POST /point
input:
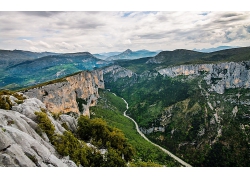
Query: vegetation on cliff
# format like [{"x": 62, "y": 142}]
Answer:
[
  {"x": 5, "y": 102},
  {"x": 203, "y": 128},
  {"x": 118, "y": 150},
  {"x": 181, "y": 56},
  {"x": 111, "y": 108}
]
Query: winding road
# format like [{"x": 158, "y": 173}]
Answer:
[{"x": 164, "y": 150}]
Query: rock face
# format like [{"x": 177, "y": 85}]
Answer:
[
  {"x": 219, "y": 76},
  {"x": 152, "y": 129},
  {"x": 80, "y": 90},
  {"x": 20, "y": 144},
  {"x": 115, "y": 72}
]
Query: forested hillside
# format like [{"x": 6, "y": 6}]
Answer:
[{"x": 199, "y": 112}]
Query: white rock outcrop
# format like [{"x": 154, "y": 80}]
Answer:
[
  {"x": 117, "y": 72},
  {"x": 219, "y": 76},
  {"x": 70, "y": 121},
  {"x": 62, "y": 97},
  {"x": 20, "y": 145}
]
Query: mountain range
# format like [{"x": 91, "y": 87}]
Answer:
[
  {"x": 194, "y": 104},
  {"x": 30, "y": 72},
  {"x": 25, "y": 68},
  {"x": 12, "y": 57}
]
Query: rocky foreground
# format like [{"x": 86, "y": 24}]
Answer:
[{"x": 20, "y": 142}]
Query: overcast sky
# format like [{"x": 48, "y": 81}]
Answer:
[{"x": 109, "y": 31}]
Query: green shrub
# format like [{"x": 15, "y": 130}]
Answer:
[
  {"x": 139, "y": 163},
  {"x": 65, "y": 126},
  {"x": 103, "y": 136},
  {"x": 56, "y": 115},
  {"x": 5, "y": 103},
  {"x": 20, "y": 97},
  {"x": 45, "y": 124},
  {"x": 19, "y": 101},
  {"x": 68, "y": 145}
]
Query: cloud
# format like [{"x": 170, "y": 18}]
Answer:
[
  {"x": 117, "y": 31},
  {"x": 127, "y": 41},
  {"x": 154, "y": 35},
  {"x": 41, "y": 13},
  {"x": 29, "y": 41},
  {"x": 230, "y": 14},
  {"x": 44, "y": 44}
]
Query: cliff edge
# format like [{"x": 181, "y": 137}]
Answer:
[{"x": 75, "y": 94}]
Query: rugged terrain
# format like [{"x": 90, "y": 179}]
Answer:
[
  {"x": 197, "y": 110},
  {"x": 34, "y": 71},
  {"x": 73, "y": 94},
  {"x": 25, "y": 141},
  {"x": 194, "y": 104},
  {"x": 44, "y": 126}
]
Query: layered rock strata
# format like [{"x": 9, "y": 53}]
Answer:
[
  {"x": 220, "y": 76},
  {"x": 80, "y": 90}
]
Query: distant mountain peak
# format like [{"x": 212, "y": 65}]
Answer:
[
  {"x": 129, "y": 54},
  {"x": 128, "y": 51}
]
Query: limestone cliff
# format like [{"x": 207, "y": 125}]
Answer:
[
  {"x": 80, "y": 90},
  {"x": 219, "y": 76},
  {"x": 20, "y": 142},
  {"x": 115, "y": 72}
]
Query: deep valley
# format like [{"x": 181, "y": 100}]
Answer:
[{"x": 61, "y": 110}]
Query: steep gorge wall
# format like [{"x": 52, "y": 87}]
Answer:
[
  {"x": 63, "y": 97},
  {"x": 220, "y": 76},
  {"x": 115, "y": 72}
]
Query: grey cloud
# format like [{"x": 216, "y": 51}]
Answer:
[
  {"x": 239, "y": 33},
  {"x": 84, "y": 24},
  {"x": 230, "y": 14},
  {"x": 228, "y": 20},
  {"x": 163, "y": 34},
  {"x": 248, "y": 28},
  {"x": 41, "y": 13},
  {"x": 162, "y": 18},
  {"x": 152, "y": 36},
  {"x": 2, "y": 28},
  {"x": 79, "y": 25},
  {"x": 144, "y": 29}
]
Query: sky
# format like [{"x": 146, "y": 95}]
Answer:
[{"x": 110, "y": 31}]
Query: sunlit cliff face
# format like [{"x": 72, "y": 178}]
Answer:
[{"x": 62, "y": 97}]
